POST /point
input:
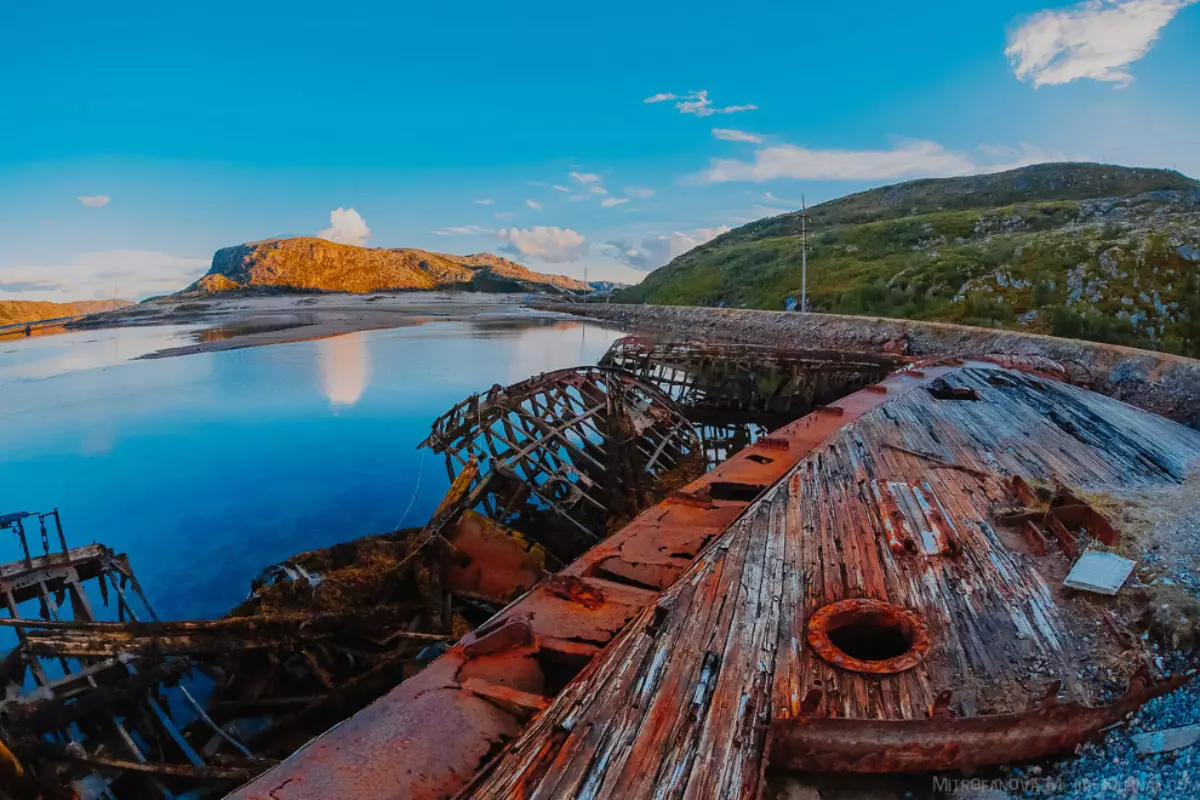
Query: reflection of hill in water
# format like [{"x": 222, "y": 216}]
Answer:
[{"x": 280, "y": 322}]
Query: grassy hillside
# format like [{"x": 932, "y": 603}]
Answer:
[
  {"x": 1081, "y": 250},
  {"x": 14, "y": 311}
]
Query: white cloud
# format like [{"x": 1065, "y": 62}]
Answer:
[
  {"x": 652, "y": 252},
  {"x": 462, "y": 230},
  {"x": 536, "y": 206},
  {"x": 589, "y": 182},
  {"x": 346, "y": 227},
  {"x": 609, "y": 202},
  {"x": 484, "y": 202},
  {"x": 697, "y": 103},
  {"x": 775, "y": 199},
  {"x": 555, "y": 245},
  {"x": 558, "y": 188},
  {"x": 94, "y": 200},
  {"x": 730, "y": 135},
  {"x": 1096, "y": 39},
  {"x": 584, "y": 177},
  {"x": 639, "y": 191},
  {"x": 911, "y": 159},
  {"x": 131, "y": 274}
]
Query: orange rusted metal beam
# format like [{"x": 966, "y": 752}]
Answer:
[
  {"x": 944, "y": 742},
  {"x": 427, "y": 737}
]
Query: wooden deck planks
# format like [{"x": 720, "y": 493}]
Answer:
[{"x": 671, "y": 708}]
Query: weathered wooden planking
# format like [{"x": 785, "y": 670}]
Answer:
[{"x": 674, "y": 706}]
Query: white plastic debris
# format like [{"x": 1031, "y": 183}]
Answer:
[
  {"x": 1100, "y": 572},
  {"x": 1166, "y": 741}
]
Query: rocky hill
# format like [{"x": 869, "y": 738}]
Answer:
[
  {"x": 1079, "y": 250},
  {"x": 16, "y": 311},
  {"x": 309, "y": 264}
]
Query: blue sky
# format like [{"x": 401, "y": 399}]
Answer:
[{"x": 136, "y": 138}]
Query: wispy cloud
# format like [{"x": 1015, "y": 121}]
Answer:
[
  {"x": 652, "y": 252},
  {"x": 346, "y": 227},
  {"x": 94, "y": 200},
  {"x": 1096, "y": 39},
  {"x": 484, "y": 202},
  {"x": 911, "y": 159},
  {"x": 24, "y": 287},
  {"x": 731, "y": 135},
  {"x": 558, "y": 188},
  {"x": 462, "y": 230},
  {"x": 775, "y": 199},
  {"x": 535, "y": 205},
  {"x": 609, "y": 202},
  {"x": 589, "y": 183},
  {"x": 132, "y": 274},
  {"x": 639, "y": 191},
  {"x": 554, "y": 245},
  {"x": 697, "y": 103},
  {"x": 760, "y": 211}
]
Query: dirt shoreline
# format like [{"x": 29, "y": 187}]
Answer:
[{"x": 236, "y": 322}]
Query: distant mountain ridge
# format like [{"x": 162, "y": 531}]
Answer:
[
  {"x": 17, "y": 311},
  {"x": 1089, "y": 251},
  {"x": 311, "y": 264}
]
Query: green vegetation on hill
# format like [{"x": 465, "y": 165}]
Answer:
[{"x": 1079, "y": 250}]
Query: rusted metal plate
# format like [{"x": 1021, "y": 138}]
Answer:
[{"x": 497, "y": 562}]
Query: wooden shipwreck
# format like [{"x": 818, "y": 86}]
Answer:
[{"x": 876, "y": 587}]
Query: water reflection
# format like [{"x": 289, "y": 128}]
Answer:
[
  {"x": 278, "y": 322},
  {"x": 345, "y": 368},
  {"x": 205, "y": 468},
  {"x": 47, "y": 356}
]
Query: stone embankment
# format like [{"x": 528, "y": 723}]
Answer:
[{"x": 1165, "y": 384}]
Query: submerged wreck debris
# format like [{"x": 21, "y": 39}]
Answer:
[
  {"x": 82, "y": 716},
  {"x": 723, "y": 380},
  {"x": 568, "y": 456},
  {"x": 876, "y": 587},
  {"x": 321, "y": 636},
  {"x": 736, "y": 393}
]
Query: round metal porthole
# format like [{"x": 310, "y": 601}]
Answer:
[{"x": 868, "y": 636}]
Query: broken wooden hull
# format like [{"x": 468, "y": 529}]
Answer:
[{"x": 658, "y": 662}]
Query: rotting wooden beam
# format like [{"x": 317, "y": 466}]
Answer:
[{"x": 186, "y": 637}]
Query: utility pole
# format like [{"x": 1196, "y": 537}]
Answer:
[{"x": 803, "y": 257}]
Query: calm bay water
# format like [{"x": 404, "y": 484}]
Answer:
[{"x": 207, "y": 468}]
